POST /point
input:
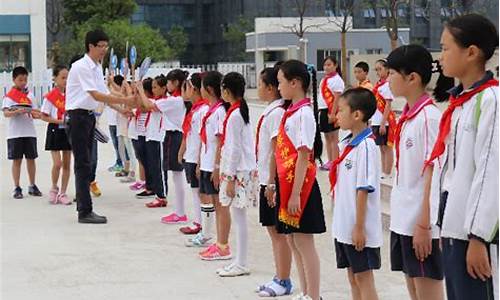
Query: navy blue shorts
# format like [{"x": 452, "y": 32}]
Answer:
[
  {"x": 206, "y": 185},
  {"x": 459, "y": 284},
  {"x": 190, "y": 170},
  {"x": 403, "y": 258},
  {"x": 324, "y": 124},
  {"x": 20, "y": 147},
  {"x": 380, "y": 140},
  {"x": 359, "y": 261},
  {"x": 171, "y": 145}
]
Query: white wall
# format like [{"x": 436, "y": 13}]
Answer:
[{"x": 36, "y": 10}]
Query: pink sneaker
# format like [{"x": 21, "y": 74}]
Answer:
[
  {"x": 53, "y": 195},
  {"x": 63, "y": 199},
  {"x": 138, "y": 185},
  {"x": 215, "y": 253},
  {"x": 174, "y": 219}
]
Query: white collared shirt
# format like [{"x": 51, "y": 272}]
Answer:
[
  {"x": 335, "y": 85},
  {"x": 213, "y": 130},
  {"x": 84, "y": 76},
  {"x": 173, "y": 110},
  {"x": 20, "y": 125},
  {"x": 360, "y": 169},
  {"x": 269, "y": 128},
  {"x": 471, "y": 170},
  {"x": 385, "y": 92},
  {"x": 418, "y": 136},
  {"x": 193, "y": 140},
  {"x": 300, "y": 127},
  {"x": 238, "y": 152}
]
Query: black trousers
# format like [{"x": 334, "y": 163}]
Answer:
[
  {"x": 81, "y": 126},
  {"x": 152, "y": 166}
]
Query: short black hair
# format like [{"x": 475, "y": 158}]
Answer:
[
  {"x": 361, "y": 99},
  {"x": 58, "y": 69},
  {"x": 19, "y": 70},
  {"x": 363, "y": 66},
  {"x": 94, "y": 37},
  {"x": 118, "y": 79}
]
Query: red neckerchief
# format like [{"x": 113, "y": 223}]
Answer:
[
  {"x": 326, "y": 93},
  {"x": 176, "y": 93},
  {"x": 286, "y": 158},
  {"x": 186, "y": 124},
  {"x": 148, "y": 116},
  {"x": 259, "y": 125},
  {"x": 445, "y": 123},
  {"x": 391, "y": 119},
  {"x": 407, "y": 115},
  {"x": 57, "y": 99},
  {"x": 203, "y": 130},
  {"x": 233, "y": 107},
  {"x": 366, "y": 133},
  {"x": 18, "y": 96}
]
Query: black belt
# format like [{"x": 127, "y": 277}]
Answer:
[{"x": 80, "y": 111}]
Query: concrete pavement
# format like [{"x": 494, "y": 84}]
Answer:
[{"x": 46, "y": 254}]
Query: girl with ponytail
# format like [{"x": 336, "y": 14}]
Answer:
[{"x": 299, "y": 200}]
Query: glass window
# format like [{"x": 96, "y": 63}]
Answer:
[
  {"x": 322, "y": 53},
  {"x": 14, "y": 51}
]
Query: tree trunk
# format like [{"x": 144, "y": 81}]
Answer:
[
  {"x": 343, "y": 54},
  {"x": 394, "y": 43}
]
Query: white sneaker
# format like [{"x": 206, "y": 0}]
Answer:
[
  {"x": 235, "y": 270},
  {"x": 225, "y": 268},
  {"x": 299, "y": 297},
  {"x": 198, "y": 240}
]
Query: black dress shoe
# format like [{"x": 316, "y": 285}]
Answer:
[{"x": 92, "y": 218}]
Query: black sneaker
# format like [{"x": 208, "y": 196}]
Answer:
[
  {"x": 145, "y": 194},
  {"x": 34, "y": 191},
  {"x": 92, "y": 218},
  {"x": 17, "y": 193}
]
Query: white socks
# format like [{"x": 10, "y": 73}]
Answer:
[
  {"x": 196, "y": 205},
  {"x": 239, "y": 216},
  {"x": 177, "y": 178},
  {"x": 207, "y": 216}
]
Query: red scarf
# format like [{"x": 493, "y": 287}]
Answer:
[
  {"x": 391, "y": 119},
  {"x": 148, "y": 116},
  {"x": 203, "y": 130},
  {"x": 176, "y": 93},
  {"x": 57, "y": 99},
  {"x": 333, "y": 170},
  {"x": 445, "y": 123},
  {"x": 286, "y": 159},
  {"x": 19, "y": 97},
  {"x": 233, "y": 107},
  {"x": 186, "y": 124},
  {"x": 327, "y": 93},
  {"x": 407, "y": 115}
]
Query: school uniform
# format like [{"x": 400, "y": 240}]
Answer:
[
  {"x": 111, "y": 115},
  {"x": 152, "y": 157},
  {"x": 357, "y": 168},
  {"x": 211, "y": 129},
  {"x": 21, "y": 134},
  {"x": 191, "y": 129},
  {"x": 330, "y": 84},
  {"x": 469, "y": 186},
  {"x": 237, "y": 160},
  {"x": 267, "y": 129},
  {"x": 383, "y": 93},
  {"x": 173, "y": 110},
  {"x": 297, "y": 130},
  {"x": 137, "y": 132},
  {"x": 415, "y": 136},
  {"x": 56, "y": 137},
  {"x": 366, "y": 84}
]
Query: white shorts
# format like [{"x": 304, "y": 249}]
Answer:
[{"x": 247, "y": 186}]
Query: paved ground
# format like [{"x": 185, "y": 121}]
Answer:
[{"x": 46, "y": 254}]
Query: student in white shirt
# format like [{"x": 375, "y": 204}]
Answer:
[
  {"x": 383, "y": 122},
  {"x": 148, "y": 93},
  {"x": 19, "y": 107},
  {"x": 191, "y": 143},
  {"x": 298, "y": 197},
  {"x": 111, "y": 115},
  {"x": 57, "y": 142},
  {"x": 265, "y": 147},
  {"x": 237, "y": 163},
  {"x": 330, "y": 88},
  {"x": 355, "y": 180},
  {"x": 208, "y": 169},
  {"x": 468, "y": 138},
  {"x": 414, "y": 236}
]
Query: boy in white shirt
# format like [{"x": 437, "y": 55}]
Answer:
[
  {"x": 19, "y": 107},
  {"x": 355, "y": 178}
]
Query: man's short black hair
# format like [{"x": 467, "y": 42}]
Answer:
[
  {"x": 94, "y": 37},
  {"x": 363, "y": 66},
  {"x": 361, "y": 99},
  {"x": 19, "y": 70}
]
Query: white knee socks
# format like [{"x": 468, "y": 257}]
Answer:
[
  {"x": 240, "y": 218},
  {"x": 177, "y": 177},
  {"x": 207, "y": 216},
  {"x": 196, "y": 205}
]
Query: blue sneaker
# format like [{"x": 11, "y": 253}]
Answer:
[{"x": 115, "y": 168}]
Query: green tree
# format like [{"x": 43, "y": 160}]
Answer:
[
  {"x": 79, "y": 12},
  {"x": 177, "y": 40},
  {"x": 235, "y": 36},
  {"x": 148, "y": 41}
]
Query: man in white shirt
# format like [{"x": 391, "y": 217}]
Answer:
[{"x": 85, "y": 89}]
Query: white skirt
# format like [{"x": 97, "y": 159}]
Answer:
[{"x": 246, "y": 189}]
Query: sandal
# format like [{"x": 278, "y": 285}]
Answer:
[{"x": 277, "y": 288}]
